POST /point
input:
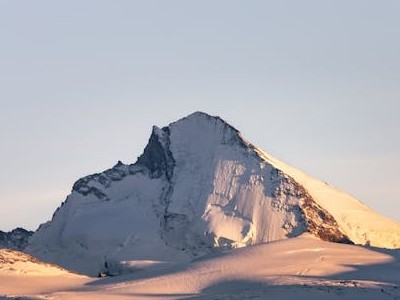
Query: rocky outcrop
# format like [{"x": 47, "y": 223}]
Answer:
[{"x": 17, "y": 239}]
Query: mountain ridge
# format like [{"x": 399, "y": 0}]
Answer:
[{"x": 16, "y": 239}]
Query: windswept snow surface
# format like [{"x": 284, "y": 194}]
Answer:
[
  {"x": 199, "y": 187},
  {"x": 23, "y": 275},
  {"x": 18, "y": 263},
  {"x": 298, "y": 268}
]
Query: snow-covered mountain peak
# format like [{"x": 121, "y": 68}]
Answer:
[
  {"x": 201, "y": 131},
  {"x": 197, "y": 135},
  {"x": 202, "y": 117},
  {"x": 204, "y": 130},
  {"x": 198, "y": 187}
]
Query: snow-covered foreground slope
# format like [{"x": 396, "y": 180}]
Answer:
[
  {"x": 299, "y": 268},
  {"x": 22, "y": 274},
  {"x": 18, "y": 263},
  {"x": 199, "y": 187}
]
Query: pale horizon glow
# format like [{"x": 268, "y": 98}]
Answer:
[{"x": 315, "y": 84}]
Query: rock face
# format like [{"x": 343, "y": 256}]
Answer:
[
  {"x": 17, "y": 239},
  {"x": 198, "y": 187}
]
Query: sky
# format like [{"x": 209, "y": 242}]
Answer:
[{"x": 314, "y": 83}]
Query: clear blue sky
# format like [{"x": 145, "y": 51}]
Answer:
[{"x": 315, "y": 83}]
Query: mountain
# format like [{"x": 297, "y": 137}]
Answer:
[
  {"x": 198, "y": 187},
  {"x": 17, "y": 239}
]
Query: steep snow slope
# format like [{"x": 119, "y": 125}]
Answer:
[
  {"x": 93, "y": 231},
  {"x": 198, "y": 187},
  {"x": 221, "y": 189},
  {"x": 357, "y": 221}
]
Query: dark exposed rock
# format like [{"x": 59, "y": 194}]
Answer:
[
  {"x": 94, "y": 184},
  {"x": 156, "y": 156},
  {"x": 17, "y": 239},
  {"x": 320, "y": 223}
]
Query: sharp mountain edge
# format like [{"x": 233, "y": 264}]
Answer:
[{"x": 198, "y": 187}]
